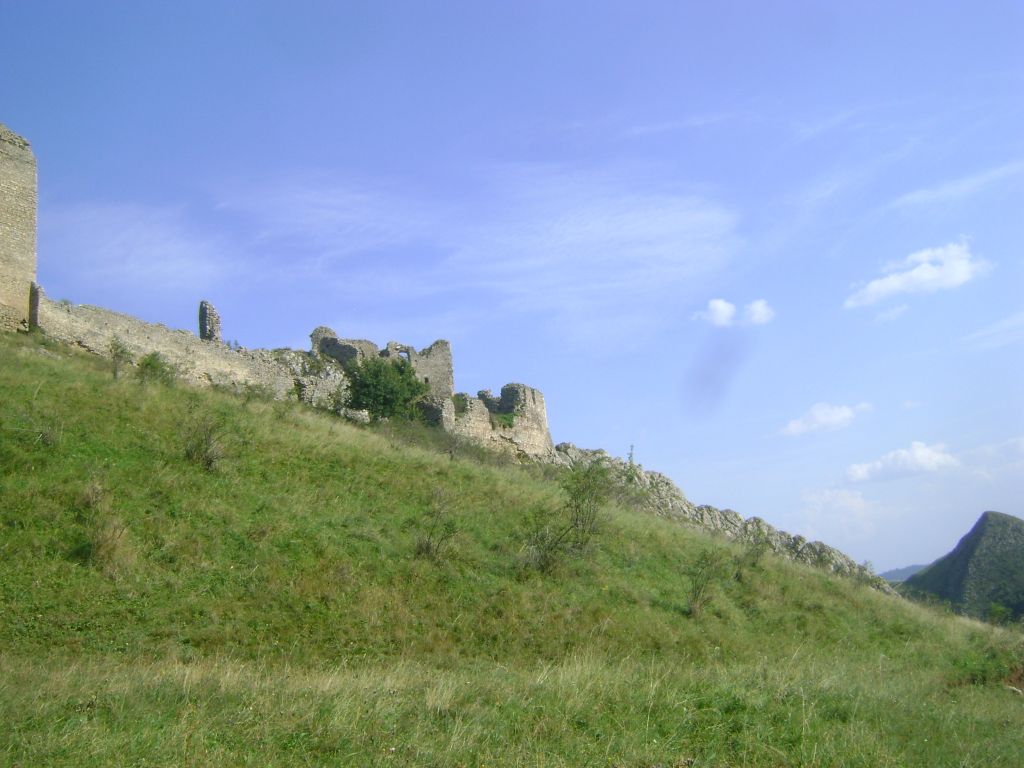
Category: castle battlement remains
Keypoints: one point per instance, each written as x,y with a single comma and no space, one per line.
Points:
516,422
18,198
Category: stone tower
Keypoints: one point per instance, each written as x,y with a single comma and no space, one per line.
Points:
17,229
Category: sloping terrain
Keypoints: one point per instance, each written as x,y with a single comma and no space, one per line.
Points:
985,571
192,578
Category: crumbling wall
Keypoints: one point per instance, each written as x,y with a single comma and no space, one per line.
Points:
209,323
517,421
343,351
432,365
198,362
17,229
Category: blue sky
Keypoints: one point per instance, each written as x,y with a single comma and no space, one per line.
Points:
778,250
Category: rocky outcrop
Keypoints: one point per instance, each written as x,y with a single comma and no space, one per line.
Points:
657,494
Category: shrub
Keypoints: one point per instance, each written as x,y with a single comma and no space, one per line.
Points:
120,355
461,401
385,388
155,368
544,539
437,529
549,535
708,567
203,444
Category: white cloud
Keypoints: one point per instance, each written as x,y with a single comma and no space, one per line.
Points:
918,459
723,313
837,516
958,188
925,271
758,312
824,416
1009,330
719,312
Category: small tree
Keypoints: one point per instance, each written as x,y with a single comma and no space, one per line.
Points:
385,388
708,568
587,487
120,355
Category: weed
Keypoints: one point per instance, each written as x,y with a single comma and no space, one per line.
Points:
259,393
437,529
203,442
503,420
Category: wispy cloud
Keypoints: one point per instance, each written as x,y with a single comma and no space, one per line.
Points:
586,248
1009,330
100,247
824,416
924,271
958,189
837,515
810,129
704,120
758,312
888,315
918,459
327,220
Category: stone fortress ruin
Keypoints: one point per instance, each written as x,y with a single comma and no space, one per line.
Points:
17,230
514,422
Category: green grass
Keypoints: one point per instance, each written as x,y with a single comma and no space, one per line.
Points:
269,608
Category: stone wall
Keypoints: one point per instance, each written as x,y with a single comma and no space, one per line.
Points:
433,365
516,422
17,229
205,363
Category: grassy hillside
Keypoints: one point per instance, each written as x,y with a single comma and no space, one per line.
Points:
984,574
191,578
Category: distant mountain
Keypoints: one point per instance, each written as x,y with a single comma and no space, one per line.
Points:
985,568
902,574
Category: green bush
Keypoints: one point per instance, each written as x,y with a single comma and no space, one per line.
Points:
385,388
155,368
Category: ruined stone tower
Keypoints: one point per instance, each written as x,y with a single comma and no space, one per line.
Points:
17,229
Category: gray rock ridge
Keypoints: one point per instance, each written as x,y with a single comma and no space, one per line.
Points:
659,495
